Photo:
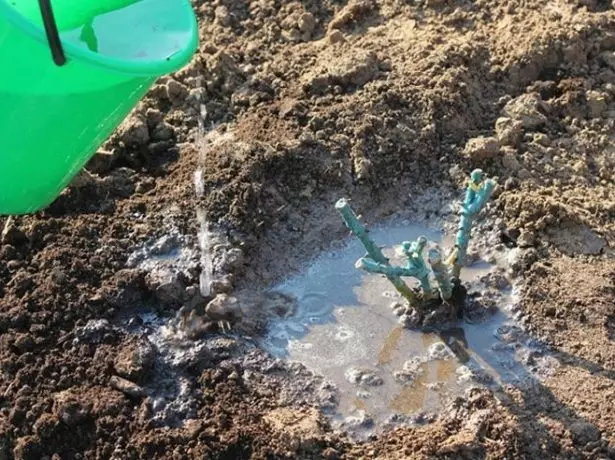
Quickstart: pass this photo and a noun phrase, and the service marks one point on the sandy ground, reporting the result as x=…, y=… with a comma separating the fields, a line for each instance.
x=288, y=106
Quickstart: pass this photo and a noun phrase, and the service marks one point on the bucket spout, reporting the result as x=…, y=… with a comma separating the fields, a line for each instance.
x=56, y=113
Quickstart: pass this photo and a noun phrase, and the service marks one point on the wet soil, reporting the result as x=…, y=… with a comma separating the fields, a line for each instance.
x=305, y=102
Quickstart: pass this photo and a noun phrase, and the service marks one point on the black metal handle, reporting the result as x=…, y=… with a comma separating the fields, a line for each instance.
x=53, y=36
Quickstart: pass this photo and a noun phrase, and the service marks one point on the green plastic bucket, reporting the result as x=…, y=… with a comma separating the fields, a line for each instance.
x=55, y=112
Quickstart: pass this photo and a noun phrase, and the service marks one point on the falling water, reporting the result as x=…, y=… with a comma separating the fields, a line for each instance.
x=199, y=187
x=205, y=233
x=207, y=265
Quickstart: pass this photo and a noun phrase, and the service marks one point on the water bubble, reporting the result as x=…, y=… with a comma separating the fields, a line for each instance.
x=315, y=304
x=296, y=328
x=343, y=334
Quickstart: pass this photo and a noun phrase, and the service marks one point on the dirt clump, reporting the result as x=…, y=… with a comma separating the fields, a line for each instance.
x=300, y=428
x=135, y=360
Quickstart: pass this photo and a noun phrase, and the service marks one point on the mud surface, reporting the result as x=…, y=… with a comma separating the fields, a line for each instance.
x=288, y=107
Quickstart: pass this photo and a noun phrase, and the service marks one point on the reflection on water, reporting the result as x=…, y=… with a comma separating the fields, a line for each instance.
x=390, y=345
x=360, y=404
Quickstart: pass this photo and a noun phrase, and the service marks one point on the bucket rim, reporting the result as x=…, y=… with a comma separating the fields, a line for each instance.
x=153, y=67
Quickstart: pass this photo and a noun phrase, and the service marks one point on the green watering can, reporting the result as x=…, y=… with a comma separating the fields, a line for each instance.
x=70, y=75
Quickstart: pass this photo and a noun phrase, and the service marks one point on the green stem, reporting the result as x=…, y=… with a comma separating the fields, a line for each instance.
x=441, y=272
x=373, y=251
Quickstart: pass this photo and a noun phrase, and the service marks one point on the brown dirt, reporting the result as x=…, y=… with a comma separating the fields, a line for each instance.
x=309, y=101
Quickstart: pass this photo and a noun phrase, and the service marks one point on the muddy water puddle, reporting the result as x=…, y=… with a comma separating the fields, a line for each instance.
x=344, y=328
